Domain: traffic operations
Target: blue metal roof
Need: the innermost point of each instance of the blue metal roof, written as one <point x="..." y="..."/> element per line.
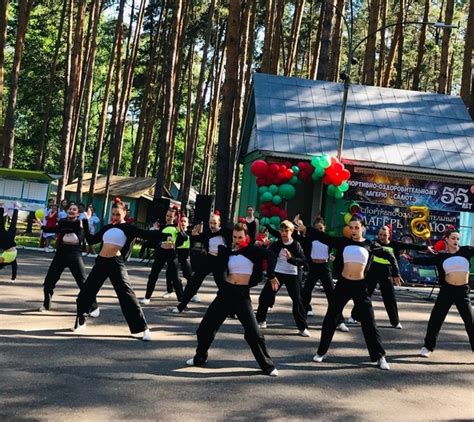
<point x="387" y="126"/>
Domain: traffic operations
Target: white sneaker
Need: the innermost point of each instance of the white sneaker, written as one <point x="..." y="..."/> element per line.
<point x="309" y="313"/>
<point x="190" y="362"/>
<point x="95" y="313"/>
<point x="11" y="281"/>
<point x="318" y="358"/>
<point x="274" y="373"/>
<point x="144" y="301"/>
<point x="351" y="320"/>
<point x="196" y="299"/>
<point x="146" y="335"/>
<point x="383" y="364"/>
<point x="262" y="324"/>
<point x="304" y="333"/>
<point x="424" y="352"/>
<point x="342" y="327"/>
<point x="166" y="295"/>
<point x="175" y="311"/>
<point x="398" y="326"/>
<point x="79" y="328"/>
<point x="42" y="309"/>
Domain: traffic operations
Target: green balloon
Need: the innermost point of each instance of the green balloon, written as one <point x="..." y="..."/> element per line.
<point x="296" y="170"/>
<point x="325" y="161"/>
<point x="338" y="194"/>
<point x="275" y="220"/>
<point x="315" y="161"/>
<point x="273" y="189"/>
<point x="266" y="196"/>
<point x="343" y="187"/>
<point x="264" y="221"/>
<point x="294" y="180"/>
<point x="320" y="171"/>
<point x="262" y="189"/>
<point x="315" y="176"/>
<point x="273" y="226"/>
<point x="287" y="191"/>
<point x="331" y="190"/>
<point x="277" y="199"/>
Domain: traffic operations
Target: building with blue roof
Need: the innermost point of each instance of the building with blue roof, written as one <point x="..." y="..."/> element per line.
<point x="403" y="148"/>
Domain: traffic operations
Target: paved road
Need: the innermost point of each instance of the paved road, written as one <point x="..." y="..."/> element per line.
<point x="50" y="373"/>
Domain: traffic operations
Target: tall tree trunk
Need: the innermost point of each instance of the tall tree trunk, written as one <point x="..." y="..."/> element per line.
<point x="277" y="37"/>
<point x="8" y="131"/>
<point x="218" y="66"/>
<point x="269" y="33"/>
<point x="323" y="66"/>
<point x="71" y="96"/>
<point x="368" y="74"/>
<point x="467" y="81"/>
<point x="394" y="46"/>
<point x="191" y="146"/>
<point x="3" y="39"/>
<point x="126" y="89"/>
<point x="105" y="106"/>
<point x="228" y="102"/>
<point x="443" y="68"/>
<point x="41" y="157"/>
<point x="421" y="48"/>
<point x="401" y="43"/>
<point x="383" y="22"/>
<point x="335" y="55"/>
<point x="166" y="128"/>
<point x="96" y="10"/>
<point x="317" y="43"/>
<point x="295" y="33"/>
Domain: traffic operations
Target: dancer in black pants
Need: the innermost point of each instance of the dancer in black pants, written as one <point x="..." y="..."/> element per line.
<point x="319" y="270"/>
<point x="210" y="263"/>
<point x="7" y="242"/>
<point x="355" y="253"/>
<point x="453" y="271"/>
<point x="380" y="273"/>
<point x="290" y="256"/>
<point x="244" y="266"/>
<point x="68" y="255"/>
<point x="116" y="240"/>
<point x="165" y="254"/>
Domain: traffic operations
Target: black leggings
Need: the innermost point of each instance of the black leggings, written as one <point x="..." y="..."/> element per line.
<point x="14" y="265"/>
<point x="267" y="298"/>
<point x="114" y="269"/>
<point x="7" y="237"/>
<point x="447" y="296"/>
<point x="208" y="264"/>
<point x="185" y="265"/>
<point x="168" y="257"/>
<point x="381" y="274"/>
<point x="232" y="299"/>
<point x="357" y="291"/>
<point x="318" y="272"/>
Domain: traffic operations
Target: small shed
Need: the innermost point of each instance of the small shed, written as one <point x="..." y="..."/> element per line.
<point x="136" y="192"/>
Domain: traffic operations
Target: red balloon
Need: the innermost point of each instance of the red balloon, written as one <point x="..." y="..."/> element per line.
<point x="283" y="214"/>
<point x="327" y="180"/>
<point x="261" y="181"/>
<point x="288" y="164"/>
<point x="259" y="168"/>
<point x="282" y="167"/>
<point x="275" y="210"/>
<point x="346" y="174"/>
<point x="273" y="168"/>
<point x="334" y="160"/>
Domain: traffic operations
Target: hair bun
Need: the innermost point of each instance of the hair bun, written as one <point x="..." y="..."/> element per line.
<point x="117" y="200"/>
<point x="217" y="212"/>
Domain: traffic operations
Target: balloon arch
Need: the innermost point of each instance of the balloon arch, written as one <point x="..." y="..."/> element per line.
<point x="277" y="183"/>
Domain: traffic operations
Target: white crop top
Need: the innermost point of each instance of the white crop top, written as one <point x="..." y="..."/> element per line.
<point x="319" y="250"/>
<point x="456" y="264"/>
<point x="114" y="236"/>
<point x="356" y="254"/>
<point x="239" y="264"/>
<point x="214" y="243"/>
<point x="282" y="265"/>
<point x="70" y="239"/>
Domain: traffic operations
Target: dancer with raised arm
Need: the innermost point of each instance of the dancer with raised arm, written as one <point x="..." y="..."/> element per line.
<point x="356" y="253"/>
<point x="7" y="242"/>
<point x="244" y="267"/>
<point x="453" y="272"/>
<point x="68" y="255"/>
<point x="116" y="239"/>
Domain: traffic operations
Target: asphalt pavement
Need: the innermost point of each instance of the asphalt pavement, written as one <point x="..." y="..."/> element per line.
<point x="50" y="373"/>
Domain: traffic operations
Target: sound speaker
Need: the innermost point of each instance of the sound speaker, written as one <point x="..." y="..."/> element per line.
<point x="202" y="209"/>
<point x="157" y="210"/>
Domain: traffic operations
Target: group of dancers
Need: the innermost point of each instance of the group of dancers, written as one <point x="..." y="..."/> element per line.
<point x="239" y="259"/>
